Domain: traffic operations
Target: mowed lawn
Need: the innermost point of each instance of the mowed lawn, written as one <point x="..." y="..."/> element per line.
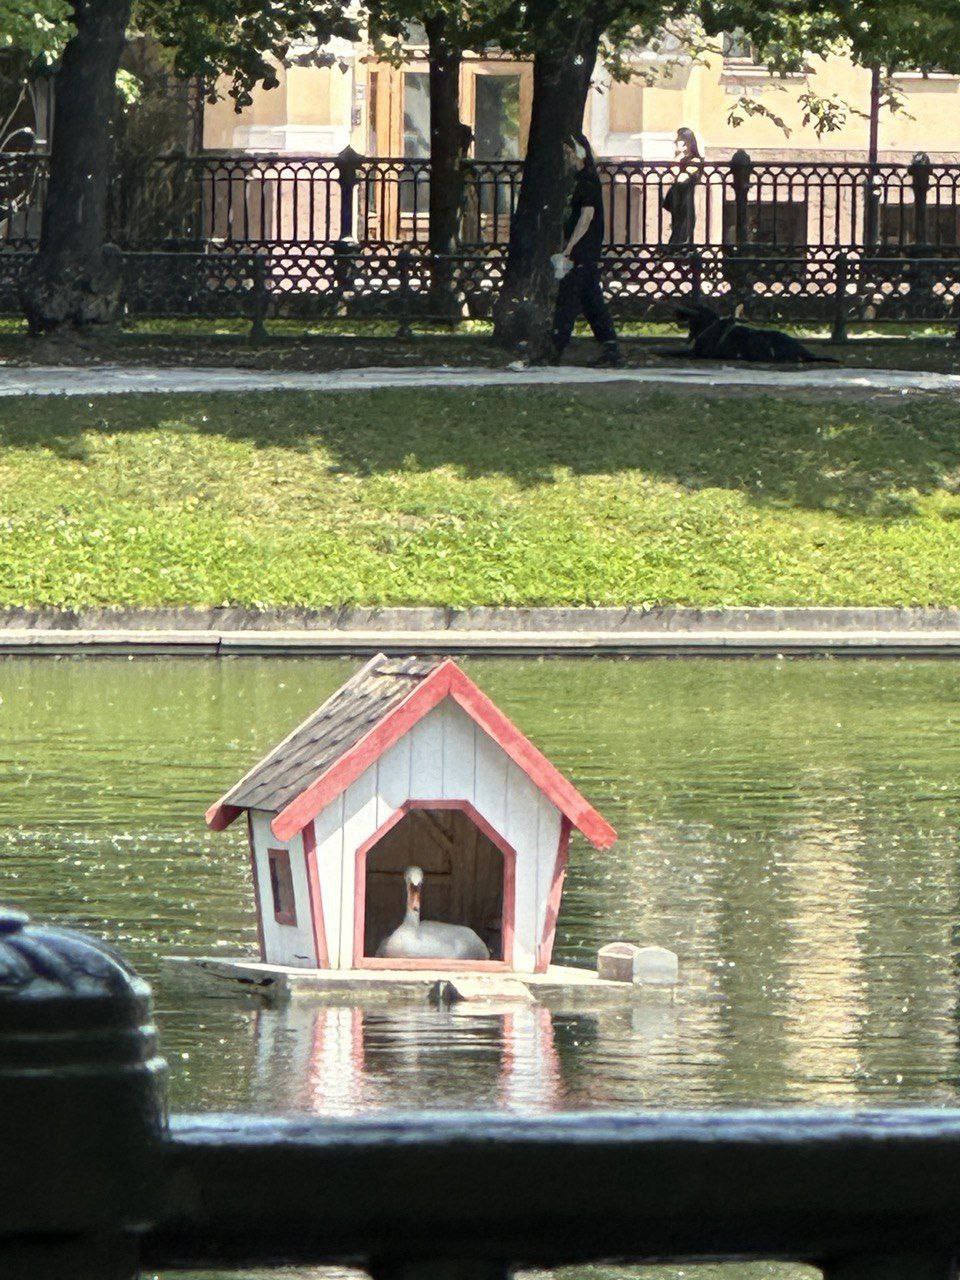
<point x="599" y="496"/>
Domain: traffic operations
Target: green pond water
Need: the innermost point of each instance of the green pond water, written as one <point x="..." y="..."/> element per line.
<point x="789" y="828"/>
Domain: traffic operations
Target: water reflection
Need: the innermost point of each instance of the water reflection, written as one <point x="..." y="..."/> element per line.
<point x="337" y="1059"/>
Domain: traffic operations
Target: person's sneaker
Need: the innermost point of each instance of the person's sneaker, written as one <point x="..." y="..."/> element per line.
<point x="609" y="358"/>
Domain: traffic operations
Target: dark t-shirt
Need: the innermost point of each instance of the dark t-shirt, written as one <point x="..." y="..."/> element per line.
<point x="587" y="194"/>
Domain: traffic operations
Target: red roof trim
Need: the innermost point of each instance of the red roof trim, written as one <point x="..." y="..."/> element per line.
<point x="423" y="698"/>
<point x="221" y="814"/>
<point x="447" y="679"/>
<point x="533" y="762"/>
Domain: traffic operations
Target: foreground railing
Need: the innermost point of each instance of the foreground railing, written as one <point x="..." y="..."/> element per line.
<point x="225" y="199"/>
<point x="96" y="1182"/>
<point x="444" y="1192"/>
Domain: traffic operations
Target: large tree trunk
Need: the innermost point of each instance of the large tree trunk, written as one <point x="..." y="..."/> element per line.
<point x="445" y="59"/>
<point x="74" y="281"/>
<point x="561" y="78"/>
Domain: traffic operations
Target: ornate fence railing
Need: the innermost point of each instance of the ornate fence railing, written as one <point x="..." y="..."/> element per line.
<point x="410" y="286"/>
<point x="219" y="200"/>
<point x="310" y="237"/>
<point x="96" y="1182"/>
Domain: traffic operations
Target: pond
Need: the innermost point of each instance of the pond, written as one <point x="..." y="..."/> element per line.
<point x="789" y="828"/>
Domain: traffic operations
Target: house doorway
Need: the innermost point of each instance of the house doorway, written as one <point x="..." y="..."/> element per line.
<point x="468" y="878"/>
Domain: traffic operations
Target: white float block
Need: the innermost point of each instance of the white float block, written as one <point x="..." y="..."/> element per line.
<point x="645" y="966"/>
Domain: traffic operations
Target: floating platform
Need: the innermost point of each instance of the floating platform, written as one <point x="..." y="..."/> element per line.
<point x="560" y="985"/>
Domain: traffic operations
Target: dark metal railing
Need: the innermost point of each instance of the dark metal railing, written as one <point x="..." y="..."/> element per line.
<point x="220" y="200"/>
<point x="440" y="1193"/>
<point x="410" y="286"/>
<point x="96" y="1181"/>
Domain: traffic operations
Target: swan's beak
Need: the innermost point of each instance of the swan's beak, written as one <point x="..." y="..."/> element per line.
<point x="413" y="896"/>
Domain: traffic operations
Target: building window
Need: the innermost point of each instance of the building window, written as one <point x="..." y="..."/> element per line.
<point x="415" y="181"/>
<point x="281" y="886"/>
<point x="738" y="48"/>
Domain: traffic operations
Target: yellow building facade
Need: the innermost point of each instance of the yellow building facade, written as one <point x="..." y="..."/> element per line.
<point x="381" y="110"/>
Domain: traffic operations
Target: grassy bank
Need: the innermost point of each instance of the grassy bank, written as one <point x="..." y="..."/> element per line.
<point x="591" y="497"/>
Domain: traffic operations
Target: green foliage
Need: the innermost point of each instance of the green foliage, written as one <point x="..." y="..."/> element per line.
<point x="244" y="40"/>
<point x="532" y="497"/>
<point x="35" y="27"/>
<point x="918" y="34"/>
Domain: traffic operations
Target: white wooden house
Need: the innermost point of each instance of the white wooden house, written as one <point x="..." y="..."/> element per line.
<point x="407" y="763"/>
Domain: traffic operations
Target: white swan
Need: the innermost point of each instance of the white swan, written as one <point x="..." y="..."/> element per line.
<point x="418" y="939"/>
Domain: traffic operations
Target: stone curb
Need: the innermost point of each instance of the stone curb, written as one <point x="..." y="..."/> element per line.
<point x="536" y="619"/>
<point x="665" y="631"/>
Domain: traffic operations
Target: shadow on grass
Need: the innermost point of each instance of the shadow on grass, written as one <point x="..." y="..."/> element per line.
<point x="861" y="459"/>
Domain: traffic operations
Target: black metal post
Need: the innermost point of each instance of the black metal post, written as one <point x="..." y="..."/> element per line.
<point x="348" y="166"/>
<point x="841" y="275"/>
<point x="260" y="300"/>
<point x="696" y="275"/>
<point x="920" y="170"/>
<point x="404" y="259"/>
<point x="741" y="167"/>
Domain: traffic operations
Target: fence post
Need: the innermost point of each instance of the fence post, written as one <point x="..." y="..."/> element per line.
<point x="260" y="300"/>
<point x="404" y="258"/>
<point x="841" y="275"/>
<point x="696" y="275"/>
<point x="741" y="167"/>
<point x="81" y="1107"/>
<point x="348" y="165"/>
<point x="871" y="220"/>
<point x="920" y="170"/>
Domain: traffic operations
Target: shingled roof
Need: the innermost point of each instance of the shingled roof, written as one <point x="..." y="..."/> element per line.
<point x="339" y="724"/>
<point x="361" y="720"/>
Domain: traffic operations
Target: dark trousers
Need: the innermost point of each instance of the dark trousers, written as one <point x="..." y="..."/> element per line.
<point x="580" y="291"/>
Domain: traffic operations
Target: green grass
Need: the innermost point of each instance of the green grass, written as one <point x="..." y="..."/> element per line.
<point x="457" y="498"/>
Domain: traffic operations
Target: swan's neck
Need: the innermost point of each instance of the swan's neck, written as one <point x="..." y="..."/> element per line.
<point x="413" y="905"/>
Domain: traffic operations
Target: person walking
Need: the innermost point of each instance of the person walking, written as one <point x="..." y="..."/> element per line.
<point x="578" y="264"/>
<point x="679" y="200"/>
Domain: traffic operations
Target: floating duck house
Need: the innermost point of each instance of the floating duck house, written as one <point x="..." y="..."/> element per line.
<point x="407" y="764"/>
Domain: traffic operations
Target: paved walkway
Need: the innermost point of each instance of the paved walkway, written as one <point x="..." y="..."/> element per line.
<point x="112" y="379"/>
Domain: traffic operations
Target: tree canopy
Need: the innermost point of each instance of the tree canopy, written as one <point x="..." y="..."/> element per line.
<point x="34" y="27"/>
<point x="242" y="41"/>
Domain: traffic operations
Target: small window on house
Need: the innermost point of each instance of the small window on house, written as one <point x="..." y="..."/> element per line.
<point x="281" y="887"/>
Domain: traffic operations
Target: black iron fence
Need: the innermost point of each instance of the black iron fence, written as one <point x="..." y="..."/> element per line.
<point x="96" y="1181"/>
<point x="409" y="286"/>
<point x="308" y="238"/>
<point x="220" y="201"/>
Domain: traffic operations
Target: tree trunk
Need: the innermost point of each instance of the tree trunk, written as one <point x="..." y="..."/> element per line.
<point x="561" y="78"/>
<point x="74" y="281"/>
<point x="445" y="59"/>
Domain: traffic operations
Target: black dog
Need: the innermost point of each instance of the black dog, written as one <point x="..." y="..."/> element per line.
<point x="714" y="337"/>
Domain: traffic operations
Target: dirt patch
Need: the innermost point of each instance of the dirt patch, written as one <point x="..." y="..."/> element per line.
<point x="325" y="353"/>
